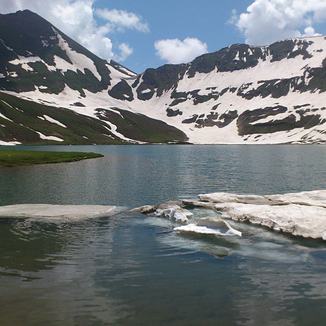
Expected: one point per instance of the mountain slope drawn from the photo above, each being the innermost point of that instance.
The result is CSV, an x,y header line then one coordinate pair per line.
x,y
23,121
274,94
240,94
57,73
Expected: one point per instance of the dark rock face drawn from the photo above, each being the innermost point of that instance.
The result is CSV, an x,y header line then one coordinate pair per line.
x,y
173,113
285,50
275,88
204,98
248,122
215,120
142,128
163,78
144,93
278,88
227,59
247,118
318,79
79,104
122,68
157,80
178,97
193,119
178,101
122,91
227,118
242,56
25,34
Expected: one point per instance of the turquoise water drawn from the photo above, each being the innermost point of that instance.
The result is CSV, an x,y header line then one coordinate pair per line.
x,y
132,270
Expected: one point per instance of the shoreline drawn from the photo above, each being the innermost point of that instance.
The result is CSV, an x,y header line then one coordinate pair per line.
x,y
18,158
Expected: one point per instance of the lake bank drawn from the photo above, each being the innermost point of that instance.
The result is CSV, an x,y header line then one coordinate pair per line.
x,y
12,158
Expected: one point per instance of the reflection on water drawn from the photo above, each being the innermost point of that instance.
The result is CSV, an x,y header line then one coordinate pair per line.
x,y
134,175
47,273
132,270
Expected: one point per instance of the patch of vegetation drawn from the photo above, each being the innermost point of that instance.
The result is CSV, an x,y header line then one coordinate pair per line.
x,y
141,127
24,119
10,158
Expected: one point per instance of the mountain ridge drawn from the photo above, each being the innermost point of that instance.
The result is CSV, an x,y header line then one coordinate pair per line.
x,y
239,94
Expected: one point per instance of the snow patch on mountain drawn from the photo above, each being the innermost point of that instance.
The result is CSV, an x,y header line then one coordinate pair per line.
x,y
25,61
238,95
78,60
47,118
53,138
9,143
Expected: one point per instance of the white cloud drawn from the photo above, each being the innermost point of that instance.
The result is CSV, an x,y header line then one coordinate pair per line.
x,y
178,51
125,52
310,31
120,19
266,21
234,17
77,18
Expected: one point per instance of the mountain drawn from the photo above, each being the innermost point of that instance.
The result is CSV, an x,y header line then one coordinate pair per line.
x,y
54,90
273,94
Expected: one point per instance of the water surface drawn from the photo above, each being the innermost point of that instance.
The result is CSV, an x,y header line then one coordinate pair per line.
x,y
131,270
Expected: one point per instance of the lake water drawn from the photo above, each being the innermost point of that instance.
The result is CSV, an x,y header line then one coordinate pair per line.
x,y
131,270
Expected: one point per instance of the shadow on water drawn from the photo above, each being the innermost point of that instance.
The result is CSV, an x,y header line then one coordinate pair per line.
x,y
33,245
30,246
47,272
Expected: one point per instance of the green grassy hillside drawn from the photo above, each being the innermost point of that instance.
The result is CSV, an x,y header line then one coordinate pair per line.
x,y
10,158
23,121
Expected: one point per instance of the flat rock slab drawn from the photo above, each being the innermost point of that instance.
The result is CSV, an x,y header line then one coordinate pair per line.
x,y
300,214
307,198
58,212
298,220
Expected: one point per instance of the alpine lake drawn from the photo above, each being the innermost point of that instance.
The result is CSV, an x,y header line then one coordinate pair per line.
x,y
131,269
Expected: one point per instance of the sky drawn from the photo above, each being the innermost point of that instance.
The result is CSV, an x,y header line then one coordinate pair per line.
x,y
146,33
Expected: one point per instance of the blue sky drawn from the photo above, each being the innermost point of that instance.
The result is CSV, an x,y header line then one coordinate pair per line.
x,y
206,20
145,33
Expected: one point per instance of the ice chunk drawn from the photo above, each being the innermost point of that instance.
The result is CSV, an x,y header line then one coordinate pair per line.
x,y
209,226
58,212
175,213
298,220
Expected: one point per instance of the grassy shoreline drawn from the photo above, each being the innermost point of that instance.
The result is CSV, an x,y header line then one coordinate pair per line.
x,y
12,158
